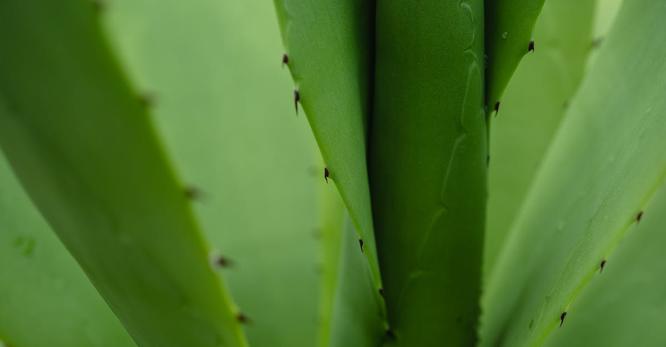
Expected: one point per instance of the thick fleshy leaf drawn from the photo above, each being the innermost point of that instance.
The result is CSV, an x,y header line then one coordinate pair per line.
x,y
83,146
428,156
329,51
624,306
45,298
535,101
332,218
509,25
351,312
252,165
600,179
605,15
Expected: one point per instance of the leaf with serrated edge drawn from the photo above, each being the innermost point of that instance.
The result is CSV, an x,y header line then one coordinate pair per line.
x,y
83,146
234,137
605,167
509,25
536,99
329,46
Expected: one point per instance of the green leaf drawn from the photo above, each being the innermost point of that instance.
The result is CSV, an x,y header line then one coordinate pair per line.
x,y
82,144
332,230
41,286
535,101
351,312
329,48
624,306
222,106
599,180
358,312
428,167
509,25
605,15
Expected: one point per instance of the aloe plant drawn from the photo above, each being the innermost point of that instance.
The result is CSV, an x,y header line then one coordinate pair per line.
x,y
460,173
564,40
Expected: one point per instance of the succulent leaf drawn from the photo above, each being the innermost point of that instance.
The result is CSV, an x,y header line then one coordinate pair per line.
x,y
609,155
329,45
357,315
428,167
509,25
536,99
332,218
42,286
233,135
82,145
624,305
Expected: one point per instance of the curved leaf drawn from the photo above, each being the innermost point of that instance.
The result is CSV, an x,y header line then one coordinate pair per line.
x,y
332,230
599,179
218,100
41,286
83,146
535,101
606,13
351,311
329,48
624,306
509,25
358,312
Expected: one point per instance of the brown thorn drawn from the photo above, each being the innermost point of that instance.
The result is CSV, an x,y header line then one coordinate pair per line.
x,y
497,107
285,59
639,216
99,5
602,265
192,193
297,99
327,174
360,243
223,262
562,316
597,42
241,318
530,47
147,99
390,335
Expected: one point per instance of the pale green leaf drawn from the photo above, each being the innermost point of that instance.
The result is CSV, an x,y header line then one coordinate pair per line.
x,y
222,105
45,298
535,101
82,144
600,177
